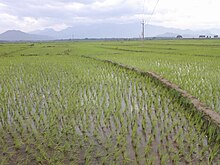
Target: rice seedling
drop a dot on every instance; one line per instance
(70, 109)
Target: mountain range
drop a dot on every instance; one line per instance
(16, 35)
(107, 30)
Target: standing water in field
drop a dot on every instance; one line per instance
(81, 111)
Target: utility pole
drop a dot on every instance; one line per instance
(143, 29)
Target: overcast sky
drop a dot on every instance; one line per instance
(30, 15)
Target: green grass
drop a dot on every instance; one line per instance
(57, 107)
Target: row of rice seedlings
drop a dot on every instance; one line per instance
(196, 78)
(198, 75)
(116, 124)
(87, 112)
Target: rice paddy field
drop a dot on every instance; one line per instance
(61, 104)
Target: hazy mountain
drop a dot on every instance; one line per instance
(185, 35)
(46, 32)
(95, 31)
(167, 35)
(16, 35)
(173, 32)
(131, 30)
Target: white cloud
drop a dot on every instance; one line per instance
(106, 4)
(2, 5)
(58, 27)
(30, 15)
(195, 14)
(75, 6)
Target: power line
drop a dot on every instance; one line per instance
(153, 12)
(144, 9)
(143, 21)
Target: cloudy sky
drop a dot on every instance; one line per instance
(30, 15)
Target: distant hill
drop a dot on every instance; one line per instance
(16, 35)
(167, 35)
(105, 30)
(116, 30)
(190, 35)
